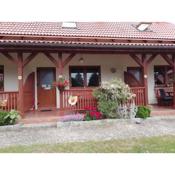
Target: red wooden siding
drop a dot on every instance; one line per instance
(85, 99)
(11, 99)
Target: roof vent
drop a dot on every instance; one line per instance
(71, 25)
(143, 26)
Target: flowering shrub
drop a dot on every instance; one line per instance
(62, 83)
(92, 114)
(110, 95)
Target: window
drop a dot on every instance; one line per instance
(85, 76)
(69, 25)
(134, 76)
(163, 75)
(143, 26)
(1, 78)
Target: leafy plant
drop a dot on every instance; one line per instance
(2, 117)
(143, 112)
(110, 95)
(9, 118)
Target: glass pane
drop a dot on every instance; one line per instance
(136, 73)
(93, 77)
(46, 78)
(159, 75)
(77, 77)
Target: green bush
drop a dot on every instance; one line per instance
(110, 94)
(2, 117)
(9, 118)
(143, 112)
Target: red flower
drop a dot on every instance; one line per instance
(90, 108)
(95, 114)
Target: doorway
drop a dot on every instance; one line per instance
(46, 92)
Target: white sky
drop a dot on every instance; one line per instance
(87, 10)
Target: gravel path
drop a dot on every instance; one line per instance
(76, 131)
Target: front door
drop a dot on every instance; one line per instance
(46, 92)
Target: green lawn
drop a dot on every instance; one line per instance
(163, 144)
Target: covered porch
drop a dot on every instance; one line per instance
(28, 62)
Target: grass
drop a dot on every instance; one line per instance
(163, 144)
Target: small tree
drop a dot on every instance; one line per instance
(110, 95)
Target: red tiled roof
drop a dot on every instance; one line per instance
(160, 31)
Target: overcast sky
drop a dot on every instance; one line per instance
(87, 10)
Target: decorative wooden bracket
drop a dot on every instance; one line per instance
(51, 58)
(60, 63)
(29, 59)
(10, 57)
(143, 60)
(168, 59)
(68, 59)
(137, 59)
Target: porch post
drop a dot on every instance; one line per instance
(144, 60)
(173, 57)
(60, 72)
(20, 83)
(145, 77)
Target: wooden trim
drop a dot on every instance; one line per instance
(7, 55)
(51, 58)
(20, 83)
(29, 58)
(136, 59)
(151, 58)
(168, 59)
(68, 59)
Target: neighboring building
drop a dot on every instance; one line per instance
(33, 54)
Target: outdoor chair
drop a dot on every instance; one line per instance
(165, 98)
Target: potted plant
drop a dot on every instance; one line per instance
(61, 83)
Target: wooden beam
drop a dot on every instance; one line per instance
(51, 58)
(68, 59)
(168, 59)
(20, 83)
(60, 63)
(151, 58)
(7, 55)
(29, 58)
(137, 59)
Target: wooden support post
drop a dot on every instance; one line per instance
(60, 72)
(173, 59)
(20, 83)
(143, 61)
(145, 77)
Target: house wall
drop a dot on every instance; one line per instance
(105, 61)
